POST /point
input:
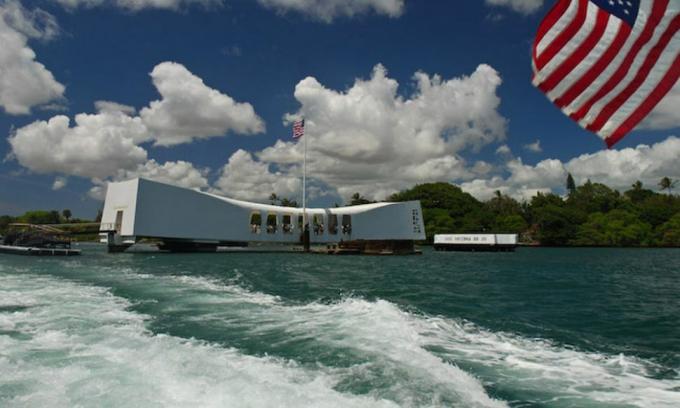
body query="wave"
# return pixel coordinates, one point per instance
(81, 346)
(74, 344)
(237, 292)
(398, 368)
(425, 353)
(550, 373)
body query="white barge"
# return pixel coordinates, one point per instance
(184, 220)
(476, 242)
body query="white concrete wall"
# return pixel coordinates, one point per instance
(165, 211)
(391, 222)
(121, 197)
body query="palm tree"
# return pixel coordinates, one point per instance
(358, 199)
(287, 202)
(571, 185)
(667, 183)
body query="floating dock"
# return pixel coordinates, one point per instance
(33, 251)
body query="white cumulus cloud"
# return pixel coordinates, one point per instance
(35, 24)
(108, 106)
(328, 10)
(179, 173)
(107, 145)
(616, 168)
(521, 6)
(534, 147)
(321, 10)
(102, 144)
(371, 140)
(189, 109)
(666, 115)
(59, 183)
(503, 150)
(243, 177)
(136, 5)
(98, 145)
(24, 82)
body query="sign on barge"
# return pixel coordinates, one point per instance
(476, 242)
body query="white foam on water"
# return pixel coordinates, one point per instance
(392, 339)
(201, 285)
(546, 373)
(16, 296)
(378, 330)
(565, 376)
(429, 347)
(81, 346)
(237, 292)
(87, 348)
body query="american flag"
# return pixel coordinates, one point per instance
(607, 63)
(298, 129)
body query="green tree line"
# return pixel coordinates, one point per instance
(592, 214)
(589, 215)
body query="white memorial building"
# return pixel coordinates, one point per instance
(187, 220)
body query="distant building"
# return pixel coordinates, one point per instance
(188, 220)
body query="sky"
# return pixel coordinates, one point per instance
(202, 94)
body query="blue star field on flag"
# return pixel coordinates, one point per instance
(626, 10)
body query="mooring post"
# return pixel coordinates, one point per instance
(305, 238)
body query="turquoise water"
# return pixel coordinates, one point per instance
(540, 327)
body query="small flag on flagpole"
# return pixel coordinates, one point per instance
(298, 129)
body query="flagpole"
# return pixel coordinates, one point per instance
(304, 184)
(305, 222)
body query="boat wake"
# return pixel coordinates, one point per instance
(81, 346)
(64, 343)
(427, 353)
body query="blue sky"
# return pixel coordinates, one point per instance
(254, 54)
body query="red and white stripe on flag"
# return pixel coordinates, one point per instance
(298, 129)
(608, 63)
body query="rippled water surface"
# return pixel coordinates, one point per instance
(537, 328)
